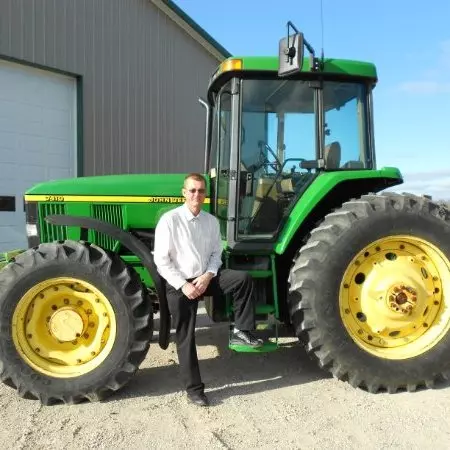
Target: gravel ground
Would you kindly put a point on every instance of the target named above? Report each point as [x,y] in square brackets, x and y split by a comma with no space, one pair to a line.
[264,401]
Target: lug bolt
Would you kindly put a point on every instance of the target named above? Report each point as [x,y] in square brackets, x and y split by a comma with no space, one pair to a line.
[54,307]
[347,311]
[56,288]
[66,301]
[92,324]
[29,336]
[93,353]
[38,350]
[105,314]
[75,342]
[89,311]
[47,319]
[97,300]
[79,303]
[86,335]
[78,361]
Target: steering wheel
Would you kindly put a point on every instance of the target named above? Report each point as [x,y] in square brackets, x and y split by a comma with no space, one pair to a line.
[276,164]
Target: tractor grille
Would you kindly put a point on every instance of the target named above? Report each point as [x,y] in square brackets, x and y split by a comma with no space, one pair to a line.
[111,214]
[50,233]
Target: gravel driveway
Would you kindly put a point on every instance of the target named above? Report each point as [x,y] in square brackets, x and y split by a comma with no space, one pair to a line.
[265,401]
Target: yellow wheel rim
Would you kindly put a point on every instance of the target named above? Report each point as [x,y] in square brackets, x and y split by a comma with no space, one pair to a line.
[392,299]
[64,327]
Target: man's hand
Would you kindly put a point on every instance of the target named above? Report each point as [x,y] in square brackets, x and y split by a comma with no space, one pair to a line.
[202,282]
[190,291]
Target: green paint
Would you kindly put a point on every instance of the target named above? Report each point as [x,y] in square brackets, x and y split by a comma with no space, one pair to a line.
[318,190]
[331,66]
[267,347]
[6,257]
[128,184]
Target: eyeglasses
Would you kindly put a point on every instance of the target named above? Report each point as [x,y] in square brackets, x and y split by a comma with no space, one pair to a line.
[200,191]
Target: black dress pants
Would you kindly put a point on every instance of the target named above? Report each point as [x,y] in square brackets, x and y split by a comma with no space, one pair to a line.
[184,313]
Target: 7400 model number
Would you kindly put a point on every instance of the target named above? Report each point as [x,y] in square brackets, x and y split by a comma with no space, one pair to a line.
[54,198]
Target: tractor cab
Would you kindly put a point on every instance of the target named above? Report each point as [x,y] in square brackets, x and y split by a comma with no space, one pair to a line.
[272,135]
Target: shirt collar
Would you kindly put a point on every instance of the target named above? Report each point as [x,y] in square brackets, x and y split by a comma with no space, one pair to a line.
[189,216]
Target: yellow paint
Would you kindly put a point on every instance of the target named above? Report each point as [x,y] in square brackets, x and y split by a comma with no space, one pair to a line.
[106,199]
[66,324]
[64,327]
[392,297]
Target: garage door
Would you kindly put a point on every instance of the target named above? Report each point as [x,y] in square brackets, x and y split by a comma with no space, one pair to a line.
[37,140]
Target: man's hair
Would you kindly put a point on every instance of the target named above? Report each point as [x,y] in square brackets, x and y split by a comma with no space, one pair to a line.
[194,176]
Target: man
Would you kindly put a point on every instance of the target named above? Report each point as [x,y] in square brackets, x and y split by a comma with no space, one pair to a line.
[187,253]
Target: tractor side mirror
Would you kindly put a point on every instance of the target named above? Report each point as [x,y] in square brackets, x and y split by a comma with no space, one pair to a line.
[290,55]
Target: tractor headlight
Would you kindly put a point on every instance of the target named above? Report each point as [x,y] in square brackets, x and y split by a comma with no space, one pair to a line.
[32,230]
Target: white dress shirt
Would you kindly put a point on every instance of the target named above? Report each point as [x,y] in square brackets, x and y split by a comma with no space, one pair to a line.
[187,246]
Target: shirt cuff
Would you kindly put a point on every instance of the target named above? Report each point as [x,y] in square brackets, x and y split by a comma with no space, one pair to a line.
[177,283]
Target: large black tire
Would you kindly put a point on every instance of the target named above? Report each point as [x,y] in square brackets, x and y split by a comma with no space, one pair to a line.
[119,284]
[316,283]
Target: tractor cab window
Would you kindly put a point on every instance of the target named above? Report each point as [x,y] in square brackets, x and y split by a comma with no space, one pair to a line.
[277,133]
[345,136]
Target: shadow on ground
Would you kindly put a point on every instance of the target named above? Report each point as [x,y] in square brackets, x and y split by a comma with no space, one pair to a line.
[225,372]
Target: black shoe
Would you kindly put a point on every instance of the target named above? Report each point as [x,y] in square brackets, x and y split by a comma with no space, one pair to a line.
[245,338]
[199,399]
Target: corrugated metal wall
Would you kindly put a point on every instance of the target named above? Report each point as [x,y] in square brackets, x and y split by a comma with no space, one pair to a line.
[141,77]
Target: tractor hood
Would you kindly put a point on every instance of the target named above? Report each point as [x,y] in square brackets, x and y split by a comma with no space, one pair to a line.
[124,185]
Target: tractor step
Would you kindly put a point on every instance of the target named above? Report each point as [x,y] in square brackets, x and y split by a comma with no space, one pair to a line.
[265,329]
[262,269]
[267,347]
[265,309]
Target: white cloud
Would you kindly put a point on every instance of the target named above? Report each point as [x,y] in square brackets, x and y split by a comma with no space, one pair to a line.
[435,183]
[435,80]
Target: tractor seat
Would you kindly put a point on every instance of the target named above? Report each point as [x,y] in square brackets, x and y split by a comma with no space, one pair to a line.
[332,155]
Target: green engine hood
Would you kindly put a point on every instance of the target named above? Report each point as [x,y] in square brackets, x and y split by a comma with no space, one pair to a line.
[130,185]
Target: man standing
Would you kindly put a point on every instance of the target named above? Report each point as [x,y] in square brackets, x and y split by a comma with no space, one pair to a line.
[187,253]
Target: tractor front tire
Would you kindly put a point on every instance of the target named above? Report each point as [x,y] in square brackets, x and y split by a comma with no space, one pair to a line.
[75,323]
[369,293]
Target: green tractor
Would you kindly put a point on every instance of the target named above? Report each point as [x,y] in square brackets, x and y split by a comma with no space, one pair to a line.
[358,275]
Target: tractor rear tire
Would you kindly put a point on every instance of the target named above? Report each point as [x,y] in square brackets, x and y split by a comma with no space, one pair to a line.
[75,323]
[368,293]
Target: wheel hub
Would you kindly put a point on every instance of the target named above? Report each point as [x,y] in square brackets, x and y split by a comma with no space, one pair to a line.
[66,325]
[402,299]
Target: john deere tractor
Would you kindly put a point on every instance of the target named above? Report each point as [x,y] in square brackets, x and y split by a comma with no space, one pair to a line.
[359,275]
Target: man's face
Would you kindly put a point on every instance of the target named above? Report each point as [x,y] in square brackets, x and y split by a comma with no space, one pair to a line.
[194,192]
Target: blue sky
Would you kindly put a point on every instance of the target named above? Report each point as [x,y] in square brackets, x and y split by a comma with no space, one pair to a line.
[410,44]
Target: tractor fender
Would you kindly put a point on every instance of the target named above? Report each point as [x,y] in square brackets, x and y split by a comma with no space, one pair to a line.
[138,248]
